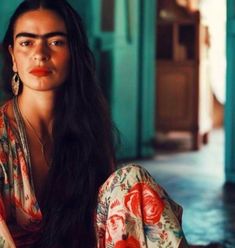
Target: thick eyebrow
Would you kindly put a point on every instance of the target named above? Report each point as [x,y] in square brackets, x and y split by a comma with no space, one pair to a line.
[37,36]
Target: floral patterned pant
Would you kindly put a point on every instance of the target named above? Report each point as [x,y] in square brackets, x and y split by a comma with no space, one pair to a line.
[134,211]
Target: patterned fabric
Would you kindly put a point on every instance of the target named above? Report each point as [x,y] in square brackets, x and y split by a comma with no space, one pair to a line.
[133,210]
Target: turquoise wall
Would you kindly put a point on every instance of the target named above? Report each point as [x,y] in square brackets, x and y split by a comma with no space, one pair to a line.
[6,9]
[230,95]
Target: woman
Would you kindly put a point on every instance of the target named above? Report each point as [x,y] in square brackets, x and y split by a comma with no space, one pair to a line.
[56,149]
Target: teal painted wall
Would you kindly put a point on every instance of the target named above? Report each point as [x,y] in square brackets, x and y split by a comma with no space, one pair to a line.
[147,70]
[127,69]
[230,97]
[84,7]
[124,102]
[6,9]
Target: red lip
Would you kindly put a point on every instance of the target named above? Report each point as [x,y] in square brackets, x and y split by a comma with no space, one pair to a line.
[40,71]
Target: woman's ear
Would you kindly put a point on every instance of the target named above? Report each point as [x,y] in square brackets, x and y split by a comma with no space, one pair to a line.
[14,67]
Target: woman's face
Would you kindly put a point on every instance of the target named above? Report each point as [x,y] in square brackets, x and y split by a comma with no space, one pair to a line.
[40,53]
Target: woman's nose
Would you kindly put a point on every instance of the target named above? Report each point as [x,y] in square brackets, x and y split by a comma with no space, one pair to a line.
[41,52]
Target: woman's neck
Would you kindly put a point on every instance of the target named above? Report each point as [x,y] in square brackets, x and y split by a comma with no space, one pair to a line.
[38,108]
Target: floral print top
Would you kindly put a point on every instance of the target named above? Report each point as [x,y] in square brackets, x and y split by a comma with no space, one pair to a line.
[133,210]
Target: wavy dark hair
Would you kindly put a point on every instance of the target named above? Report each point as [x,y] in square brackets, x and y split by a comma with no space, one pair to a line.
[83,154]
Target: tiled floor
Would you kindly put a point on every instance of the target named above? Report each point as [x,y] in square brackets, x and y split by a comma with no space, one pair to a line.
[196,181]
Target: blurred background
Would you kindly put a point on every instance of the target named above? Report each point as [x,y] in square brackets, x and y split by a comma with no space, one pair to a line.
[167,70]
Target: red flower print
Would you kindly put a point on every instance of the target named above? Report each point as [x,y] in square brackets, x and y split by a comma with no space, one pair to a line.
[132,200]
[130,242]
[114,204]
[1,122]
[164,235]
[123,186]
[2,211]
[144,202]
[3,157]
[10,134]
[115,226]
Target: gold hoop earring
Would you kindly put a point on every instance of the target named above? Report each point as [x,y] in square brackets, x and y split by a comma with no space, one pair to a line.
[15,84]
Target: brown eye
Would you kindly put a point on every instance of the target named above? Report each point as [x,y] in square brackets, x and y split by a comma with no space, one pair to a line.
[57,43]
[25,43]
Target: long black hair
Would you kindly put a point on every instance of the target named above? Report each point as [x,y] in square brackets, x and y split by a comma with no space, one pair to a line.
[83,154]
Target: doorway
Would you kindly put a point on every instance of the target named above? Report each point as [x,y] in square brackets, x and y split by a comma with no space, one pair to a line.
[185,103]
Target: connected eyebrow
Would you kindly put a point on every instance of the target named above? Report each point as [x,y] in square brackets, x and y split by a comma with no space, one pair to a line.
[37,36]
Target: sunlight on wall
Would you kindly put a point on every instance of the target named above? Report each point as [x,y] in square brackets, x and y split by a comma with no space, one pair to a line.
[214,16]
